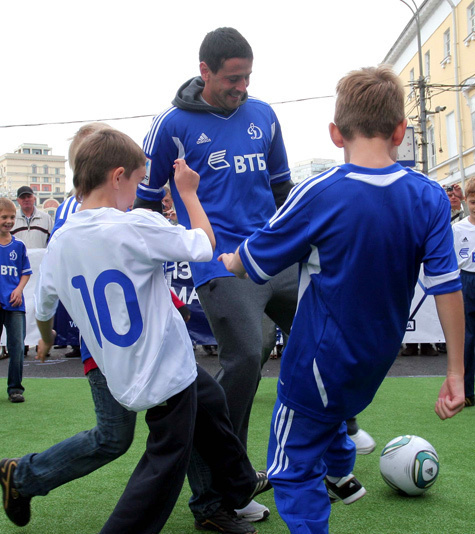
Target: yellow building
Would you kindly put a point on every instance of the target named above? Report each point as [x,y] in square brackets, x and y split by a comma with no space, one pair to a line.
[34,165]
[447,60]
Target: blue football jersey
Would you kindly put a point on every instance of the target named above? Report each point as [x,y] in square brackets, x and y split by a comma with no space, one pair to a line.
[238,157]
[14,263]
[360,236]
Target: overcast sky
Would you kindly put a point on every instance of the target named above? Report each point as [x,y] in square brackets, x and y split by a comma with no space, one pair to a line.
[91,60]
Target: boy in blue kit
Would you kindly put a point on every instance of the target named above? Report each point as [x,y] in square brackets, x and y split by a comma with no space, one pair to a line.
[359,232]
[15,271]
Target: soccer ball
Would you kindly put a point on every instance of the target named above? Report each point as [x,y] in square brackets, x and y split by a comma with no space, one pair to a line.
[409,465]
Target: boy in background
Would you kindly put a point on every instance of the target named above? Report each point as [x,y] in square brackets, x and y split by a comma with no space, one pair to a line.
[360,233]
[464,242]
[15,271]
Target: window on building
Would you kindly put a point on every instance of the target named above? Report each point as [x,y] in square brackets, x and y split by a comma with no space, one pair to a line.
[57,180]
[427,63]
[471,18]
[451,134]
[36,151]
[46,188]
[431,152]
[33,169]
[34,178]
[447,43]
[56,170]
[26,151]
[57,189]
[46,152]
[46,180]
[472,111]
[35,187]
[45,169]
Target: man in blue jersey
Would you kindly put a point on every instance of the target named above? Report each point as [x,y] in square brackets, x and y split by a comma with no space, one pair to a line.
[235,143]
[359,265]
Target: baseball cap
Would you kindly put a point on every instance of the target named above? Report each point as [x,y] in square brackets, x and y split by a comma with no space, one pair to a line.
[24,189]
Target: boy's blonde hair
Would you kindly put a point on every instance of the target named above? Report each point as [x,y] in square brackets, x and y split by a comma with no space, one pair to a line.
[470,187]
[7,204]
[79,137]
[101,153]
[370,103]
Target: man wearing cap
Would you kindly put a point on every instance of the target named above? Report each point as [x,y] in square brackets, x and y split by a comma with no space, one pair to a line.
[32,226]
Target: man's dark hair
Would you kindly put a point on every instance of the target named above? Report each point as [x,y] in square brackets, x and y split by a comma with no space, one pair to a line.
[222,44]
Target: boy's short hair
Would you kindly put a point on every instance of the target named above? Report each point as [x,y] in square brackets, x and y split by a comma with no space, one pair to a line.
[100,153]
[470,187]
[79,137]
[370,102]
[7,204]
[222,44]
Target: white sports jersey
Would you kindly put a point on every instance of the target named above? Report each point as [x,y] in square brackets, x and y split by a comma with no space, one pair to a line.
[464,243]
[106,267]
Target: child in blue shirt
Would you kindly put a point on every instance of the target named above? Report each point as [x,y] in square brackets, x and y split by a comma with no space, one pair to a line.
[15,271]
[359,232]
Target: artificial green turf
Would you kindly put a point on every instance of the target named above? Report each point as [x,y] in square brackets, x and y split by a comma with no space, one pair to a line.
[58,408]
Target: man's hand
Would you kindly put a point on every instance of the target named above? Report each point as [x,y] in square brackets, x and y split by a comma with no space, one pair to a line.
[44,348]
[233,264]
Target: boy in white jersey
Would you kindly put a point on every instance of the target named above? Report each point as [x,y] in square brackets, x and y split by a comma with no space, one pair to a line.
[111,282]
[359,232]
[464,242]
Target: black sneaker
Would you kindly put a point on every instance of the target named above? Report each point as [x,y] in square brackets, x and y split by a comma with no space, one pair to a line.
[225,521]
[348,489]
[16,506]
[16,397]
[263,484]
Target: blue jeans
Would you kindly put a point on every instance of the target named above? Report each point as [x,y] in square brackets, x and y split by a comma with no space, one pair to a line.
[75,457]
[15,325]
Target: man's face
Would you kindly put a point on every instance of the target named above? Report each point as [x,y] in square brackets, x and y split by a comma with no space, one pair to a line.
[455,202]
[227,87]
[27,203]
[167,202]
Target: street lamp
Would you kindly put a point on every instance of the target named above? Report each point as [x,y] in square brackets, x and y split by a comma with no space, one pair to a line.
[422,87]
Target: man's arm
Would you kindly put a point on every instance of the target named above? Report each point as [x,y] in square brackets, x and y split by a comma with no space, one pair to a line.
[281,191]
[452,394]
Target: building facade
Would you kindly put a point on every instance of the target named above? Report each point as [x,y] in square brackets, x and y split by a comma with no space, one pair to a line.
[438,71]
[310,167]
[36,166]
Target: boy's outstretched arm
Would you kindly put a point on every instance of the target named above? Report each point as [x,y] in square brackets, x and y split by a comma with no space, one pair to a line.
[232,262]
[47,338]
[187,181]
[452,393]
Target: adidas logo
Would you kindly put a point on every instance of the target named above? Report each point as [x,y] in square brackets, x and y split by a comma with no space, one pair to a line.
[203,138]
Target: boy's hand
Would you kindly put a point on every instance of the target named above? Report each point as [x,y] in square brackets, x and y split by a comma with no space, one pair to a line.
[186,180]
[16,297]
[451,397]
[232,265]
[44,348]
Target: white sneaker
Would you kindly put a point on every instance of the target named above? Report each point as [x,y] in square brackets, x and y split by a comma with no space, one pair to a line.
[253,512]
[365,444]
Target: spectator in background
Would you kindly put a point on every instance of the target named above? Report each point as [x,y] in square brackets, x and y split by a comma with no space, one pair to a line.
[32,225]
[168,207]
[459,208]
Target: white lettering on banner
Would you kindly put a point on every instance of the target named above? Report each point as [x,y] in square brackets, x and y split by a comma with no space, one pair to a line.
[9,270]
[183,295]
[241,166]
[182,270]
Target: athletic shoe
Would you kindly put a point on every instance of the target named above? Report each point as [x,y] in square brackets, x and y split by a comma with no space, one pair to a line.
[348,489]
[225,521]
[365,444]
[469,401]
[16,506]
[16,397]
[263,484]
[253,512]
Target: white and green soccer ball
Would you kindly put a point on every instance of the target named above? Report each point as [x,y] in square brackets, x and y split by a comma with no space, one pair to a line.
[409,465]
